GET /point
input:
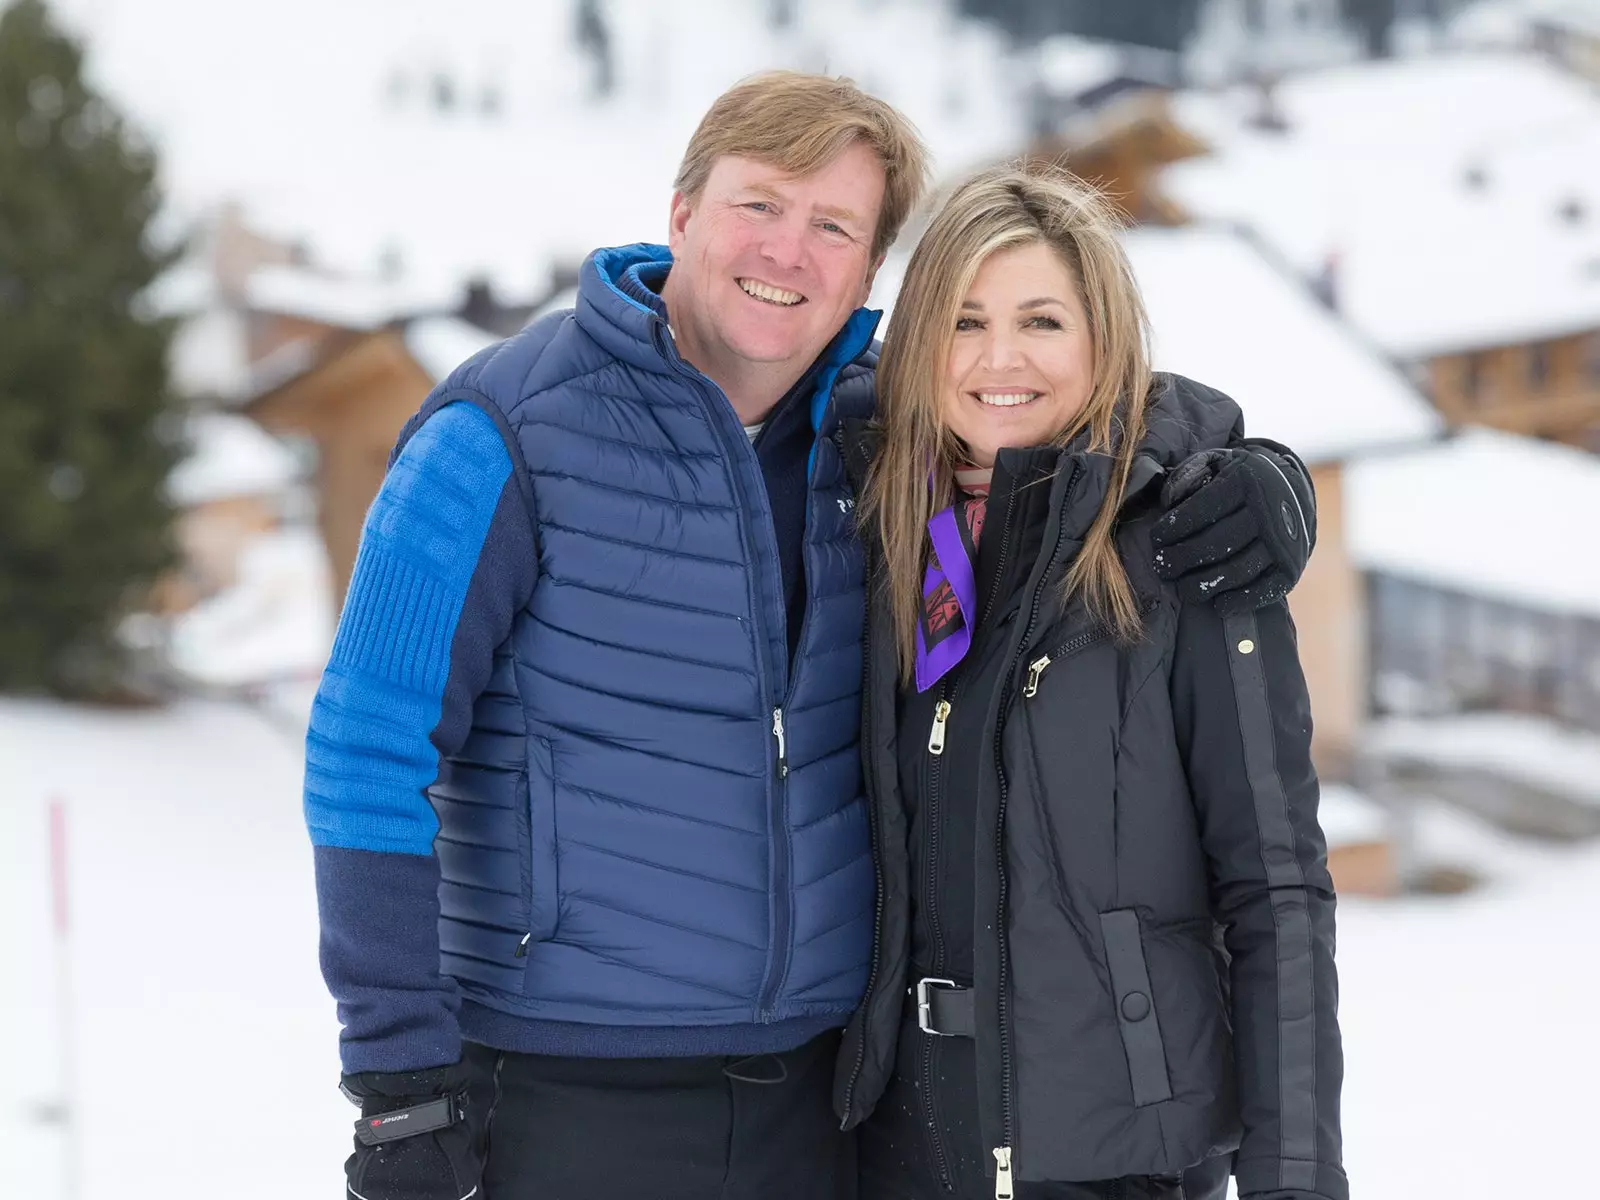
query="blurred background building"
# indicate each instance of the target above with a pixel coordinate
(1376, 223)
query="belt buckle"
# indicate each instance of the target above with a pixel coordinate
(925, 1004)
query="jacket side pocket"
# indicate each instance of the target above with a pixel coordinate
(1136, 1010)
(542, 882)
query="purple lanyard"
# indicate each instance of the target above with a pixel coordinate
(944, 634)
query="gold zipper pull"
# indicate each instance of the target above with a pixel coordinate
(1035, 669)
(941, 714)
(1002, 1173)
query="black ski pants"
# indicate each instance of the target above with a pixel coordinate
(706, 1128)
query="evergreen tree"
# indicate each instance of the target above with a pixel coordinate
(85, 411)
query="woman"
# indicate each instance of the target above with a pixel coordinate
(1105, 963)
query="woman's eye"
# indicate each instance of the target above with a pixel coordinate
(967, 324)
(1044, 323)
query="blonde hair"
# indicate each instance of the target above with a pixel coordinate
(800, 123)
(913, 477)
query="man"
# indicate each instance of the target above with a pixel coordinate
(582, 775)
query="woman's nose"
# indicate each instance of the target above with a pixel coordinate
(1001, 352)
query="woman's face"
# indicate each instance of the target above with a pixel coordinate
(1022, 362)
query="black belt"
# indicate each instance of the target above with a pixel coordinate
(945, 1009)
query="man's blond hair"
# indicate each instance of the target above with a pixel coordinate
(799, 123)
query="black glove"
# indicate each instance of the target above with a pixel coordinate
(426, 1150)
(1240, 526)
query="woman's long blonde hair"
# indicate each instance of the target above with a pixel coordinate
(913, 476)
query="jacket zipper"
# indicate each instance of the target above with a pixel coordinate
(931, 822)
(1067, 649)
(1003, 1153)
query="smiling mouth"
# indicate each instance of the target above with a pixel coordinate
(1005, 399)
(768, 294)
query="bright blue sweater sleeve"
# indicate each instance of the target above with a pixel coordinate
(447, 558)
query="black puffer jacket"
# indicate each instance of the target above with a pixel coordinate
(1153, 935)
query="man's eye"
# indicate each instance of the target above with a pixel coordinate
(759, 206)
(830, 227)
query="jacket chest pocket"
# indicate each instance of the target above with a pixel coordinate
(1069, 728)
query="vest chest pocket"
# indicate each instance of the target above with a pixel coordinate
(540, 878)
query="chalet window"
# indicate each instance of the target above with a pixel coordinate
(1538, 367)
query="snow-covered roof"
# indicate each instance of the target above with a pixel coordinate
(209, 354)
(1460, 194)
(230, 456)
(1222, 313)
(441, 344)
(346, 303)
(1485, 512)
(522, 170)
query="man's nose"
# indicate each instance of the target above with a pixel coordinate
(784, 243)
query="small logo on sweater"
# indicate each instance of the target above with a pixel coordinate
(846, 506)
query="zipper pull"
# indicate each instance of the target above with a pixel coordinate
(522, 946)
(941, 714)
(1035, 669)
(1002, 1173)
(783, 752)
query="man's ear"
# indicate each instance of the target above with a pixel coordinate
(678, 220)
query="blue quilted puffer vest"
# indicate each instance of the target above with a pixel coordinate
(655, 822)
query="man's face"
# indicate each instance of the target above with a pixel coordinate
(768, 267)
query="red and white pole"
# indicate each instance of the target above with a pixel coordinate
(60, 895)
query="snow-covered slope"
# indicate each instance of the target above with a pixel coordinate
(199, 1017)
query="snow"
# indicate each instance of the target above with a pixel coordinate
(1070, 66)
(1512, 745)
(209, 356)
(441, 344)
(361, 165)
(199, 1017)
(1484, 512)
(1222, 313)
(275, 623)
(1374, 171)
(231, 456)
(1349, 818)
(343, 302)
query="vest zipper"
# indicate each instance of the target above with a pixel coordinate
(783, 752)
(777, 806)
